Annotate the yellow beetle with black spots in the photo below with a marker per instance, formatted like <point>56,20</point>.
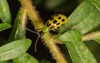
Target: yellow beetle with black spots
<point>56,21</point>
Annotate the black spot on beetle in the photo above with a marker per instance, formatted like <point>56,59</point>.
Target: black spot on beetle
<point>63,20</point>
<point>54,21</point>
<point>59,17</point>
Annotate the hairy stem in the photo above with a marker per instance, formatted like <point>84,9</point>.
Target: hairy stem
<point>32,13</point>
<point>50,43</point>
<point>91,36</point>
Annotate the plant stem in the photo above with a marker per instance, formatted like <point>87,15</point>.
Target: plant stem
<point>91,36</point>
<point>32,13</point>
<point>50,43</point>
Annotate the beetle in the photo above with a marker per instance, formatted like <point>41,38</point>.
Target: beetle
<point>56,21</point>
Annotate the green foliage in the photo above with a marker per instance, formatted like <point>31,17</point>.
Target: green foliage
<point>4,26</point>
<point>25,58</point>
<point>5,12</point>
<point>14,49</point>
<point>94,47</point>
<point>77,49</point>
<point>96,3</point>
<point>17,31</point>
<point>85,18</point>
<point>5,17</point>
<point>18,43</point>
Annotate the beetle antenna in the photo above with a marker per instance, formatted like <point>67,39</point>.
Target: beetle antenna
<point>31,31</point>
<point>36,43</point>
<point>36,39</point>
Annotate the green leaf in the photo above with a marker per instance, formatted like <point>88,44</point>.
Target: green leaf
<point>17,31</point>
<point>96,3</point>
<point>14,49</point>
<point>20,33</point>
<point>77,49</point>
<point>5,12</point>
<point>94,47</point>
<point>4,26</point>
<point>25,58</point>
<point>85,18</point>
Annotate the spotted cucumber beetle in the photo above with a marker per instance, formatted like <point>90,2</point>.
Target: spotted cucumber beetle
<point>56,21</point>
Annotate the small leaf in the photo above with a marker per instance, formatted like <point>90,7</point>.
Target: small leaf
<point>17,31</point>
<point>14,49</point>
<point>25,58</point>
<point>77,49</point>
<point>5,12</point>
<point>4,26</point>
